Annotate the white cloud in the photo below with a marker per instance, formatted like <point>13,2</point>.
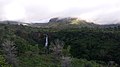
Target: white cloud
<point>14,11</point>
<point>91,10</point>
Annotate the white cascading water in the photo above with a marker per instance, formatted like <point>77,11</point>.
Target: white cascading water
<point>46,41</point>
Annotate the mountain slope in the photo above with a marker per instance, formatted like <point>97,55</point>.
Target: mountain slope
<point>65,23</point>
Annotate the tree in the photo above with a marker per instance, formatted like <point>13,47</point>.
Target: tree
<point>59,54</point>
<point>9,51</point>
<point>56,50</point>
<point>56,47</point>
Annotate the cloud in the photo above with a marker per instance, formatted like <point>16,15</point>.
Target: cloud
<point>14,11</point>
<point>99,11</point>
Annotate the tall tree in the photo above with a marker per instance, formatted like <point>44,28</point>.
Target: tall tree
<point>9,51</point>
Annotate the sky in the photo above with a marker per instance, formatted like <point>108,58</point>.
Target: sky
<point>97,11</point>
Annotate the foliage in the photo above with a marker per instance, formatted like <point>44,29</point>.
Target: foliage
<point>84,63</point>
<point>3,63</point>
<point>9,51</point>
<point>91,46</point>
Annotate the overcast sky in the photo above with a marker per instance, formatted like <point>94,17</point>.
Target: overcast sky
<point>98,11</point>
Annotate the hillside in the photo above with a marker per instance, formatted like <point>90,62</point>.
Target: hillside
<point>93,47</point>
<point>85,46</point>
<point>63,23</point>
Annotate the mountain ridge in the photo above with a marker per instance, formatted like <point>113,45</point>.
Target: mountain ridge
<point>61,23</point>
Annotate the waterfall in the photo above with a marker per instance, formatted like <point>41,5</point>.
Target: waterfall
<point>46,41</point>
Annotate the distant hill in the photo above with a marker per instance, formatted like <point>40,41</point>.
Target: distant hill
<point>14,22</point>
<point>63,23</point>
<point>110,26</point>
<point>10,22</point>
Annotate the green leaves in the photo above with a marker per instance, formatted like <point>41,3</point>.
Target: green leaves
<point>3,63</point>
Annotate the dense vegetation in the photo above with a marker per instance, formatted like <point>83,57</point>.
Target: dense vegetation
<point>22,46</point>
